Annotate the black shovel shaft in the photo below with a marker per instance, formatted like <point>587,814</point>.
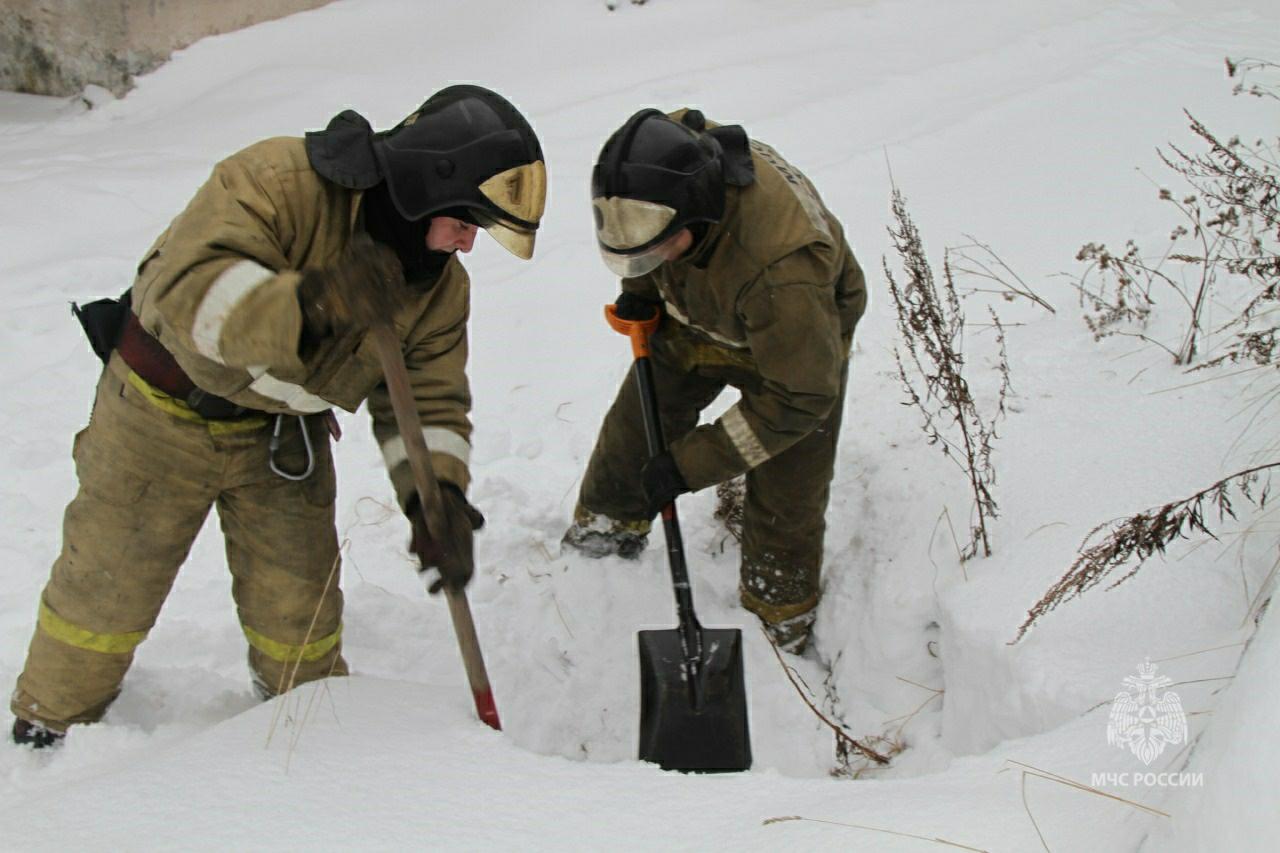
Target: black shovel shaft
<point>693,699</point>
<point>690,630</point>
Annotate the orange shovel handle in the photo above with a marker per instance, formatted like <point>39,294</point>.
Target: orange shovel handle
<point>637,330</point>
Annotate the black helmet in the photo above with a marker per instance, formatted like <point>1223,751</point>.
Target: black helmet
<point>467,149</point>
<point>653,177</point>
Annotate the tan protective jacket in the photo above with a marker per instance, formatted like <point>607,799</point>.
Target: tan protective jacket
<point>770,299</point>
<point>218,289</point>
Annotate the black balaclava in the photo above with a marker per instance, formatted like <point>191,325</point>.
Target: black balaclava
<point>422,267</point>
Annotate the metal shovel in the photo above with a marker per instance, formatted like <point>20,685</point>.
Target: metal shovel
<point>693,696</point>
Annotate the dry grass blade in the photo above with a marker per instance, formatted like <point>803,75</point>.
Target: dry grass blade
<point>1080,786</point>
<point>1026,805</point>
<point>1262,596</point>
<point>931,838</point>
<point>1200,652</point>
<point>289,676</point>
<point>1028,771</point>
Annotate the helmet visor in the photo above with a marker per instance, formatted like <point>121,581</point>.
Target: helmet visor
<point>520,193</point>
<point>516,240</point>
<point>629,225</point>
<point>631,266</point>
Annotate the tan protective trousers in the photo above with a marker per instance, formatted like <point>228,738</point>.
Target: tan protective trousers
<point>786,498</point>
<point>149,470</point>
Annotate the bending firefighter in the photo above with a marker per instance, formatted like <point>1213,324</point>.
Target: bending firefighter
<point>758,290</point>
<point>246,325</point>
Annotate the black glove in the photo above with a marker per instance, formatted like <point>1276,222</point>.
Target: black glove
<point>633,306</point>
<point>453,558</point>
<point>662,481</point>
<point>365,286</point>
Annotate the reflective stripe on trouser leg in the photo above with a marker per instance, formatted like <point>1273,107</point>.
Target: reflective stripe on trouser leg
<point>288,653</point>
<point>783,521</point>
<point>282,550</point>
<point>142,498</point>
<point>611,484</point>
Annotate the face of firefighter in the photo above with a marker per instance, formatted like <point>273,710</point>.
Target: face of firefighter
<point>630,266</point>
<point>446,234</point>
<point>677,245</point>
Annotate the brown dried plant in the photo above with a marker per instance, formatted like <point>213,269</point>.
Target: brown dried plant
<point>931,363</point>
<point>1229,227</point>
<point>852,754</point>
<point>730,501</point>
<point>1131,541</point>
<point>1234,218</point>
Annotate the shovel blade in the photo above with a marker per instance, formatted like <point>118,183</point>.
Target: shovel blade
<point>710,738</point>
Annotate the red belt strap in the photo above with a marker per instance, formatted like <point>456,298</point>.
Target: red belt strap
<point>148,358</point>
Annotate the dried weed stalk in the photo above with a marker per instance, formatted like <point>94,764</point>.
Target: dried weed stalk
<point>1135,539</point>
<point>1123,294</point>
<point>1232,219</point>
<point>848,748</point>
<point>931,322</point>
<point>730,498</point>
<point>1229,226</point>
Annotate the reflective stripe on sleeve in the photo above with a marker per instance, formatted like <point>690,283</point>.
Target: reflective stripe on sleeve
<point>439,440</point>
<point>295,397</point>
<point>679,317</point>
<point>288,653</point>
<point>236,282</point>
<point>82,638</point>
<point>743,436</point>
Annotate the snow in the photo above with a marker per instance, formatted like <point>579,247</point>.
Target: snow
<point>1031,127</point>
<point>1233,817</point>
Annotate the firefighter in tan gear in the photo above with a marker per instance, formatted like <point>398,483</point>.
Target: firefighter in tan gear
<point>246,325</point>
<point>759,290</point>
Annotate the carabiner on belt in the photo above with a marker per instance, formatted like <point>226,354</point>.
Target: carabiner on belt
<point>275,445</point>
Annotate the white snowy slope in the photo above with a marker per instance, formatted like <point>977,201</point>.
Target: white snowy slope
<point>1023,125</point>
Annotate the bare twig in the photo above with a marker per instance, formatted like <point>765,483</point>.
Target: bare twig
<point>980,260</point>
<point>843,739</point>
<point>911,715</point>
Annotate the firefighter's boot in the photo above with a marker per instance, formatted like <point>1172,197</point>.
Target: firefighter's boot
<point>34,735</point>
<point>597,535</point>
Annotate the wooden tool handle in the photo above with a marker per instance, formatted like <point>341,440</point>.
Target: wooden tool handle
<point>432,507</point>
